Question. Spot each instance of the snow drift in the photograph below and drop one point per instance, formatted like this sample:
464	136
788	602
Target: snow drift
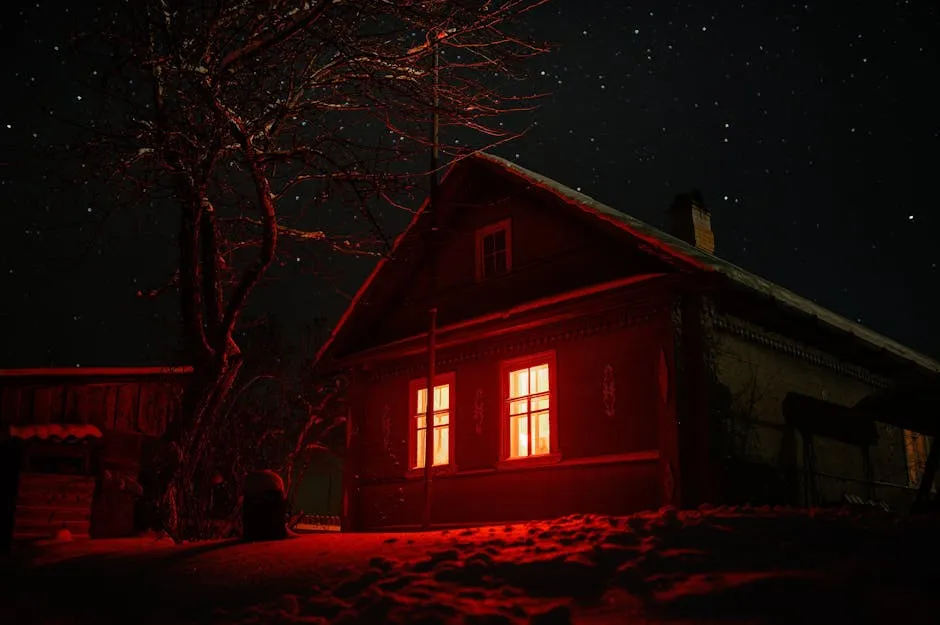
715	565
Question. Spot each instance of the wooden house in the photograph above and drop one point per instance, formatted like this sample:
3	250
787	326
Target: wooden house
73	440
588	362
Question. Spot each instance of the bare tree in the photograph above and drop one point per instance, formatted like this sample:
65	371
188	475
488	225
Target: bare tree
227	111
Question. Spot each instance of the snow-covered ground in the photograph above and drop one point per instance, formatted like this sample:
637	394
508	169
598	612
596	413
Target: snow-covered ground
717	565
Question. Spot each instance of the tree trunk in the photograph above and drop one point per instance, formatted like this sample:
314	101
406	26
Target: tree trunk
184	502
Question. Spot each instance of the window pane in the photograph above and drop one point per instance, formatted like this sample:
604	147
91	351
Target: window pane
519	383
421	422
441	418
441	397
422	400
499	263
518	437
419	449
489	266
441	445
489	245
541	433
539	403
519	406
499	241
539	379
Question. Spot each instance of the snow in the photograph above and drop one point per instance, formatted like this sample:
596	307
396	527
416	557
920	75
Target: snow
261	482
715	565
55	431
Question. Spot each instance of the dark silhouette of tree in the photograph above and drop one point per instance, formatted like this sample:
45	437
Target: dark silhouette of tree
229	112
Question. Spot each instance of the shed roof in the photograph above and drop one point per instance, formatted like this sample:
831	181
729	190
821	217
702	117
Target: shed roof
104	372
55	432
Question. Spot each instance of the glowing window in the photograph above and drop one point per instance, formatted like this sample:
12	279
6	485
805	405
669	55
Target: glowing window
494	250
441	425
916	448
529	410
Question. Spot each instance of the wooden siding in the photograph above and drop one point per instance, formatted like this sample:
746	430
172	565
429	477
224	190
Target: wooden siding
554	251
609	445
615	487
87	488
141	406
47	503
754	382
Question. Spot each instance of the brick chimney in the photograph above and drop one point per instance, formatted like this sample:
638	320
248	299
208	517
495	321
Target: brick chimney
690	221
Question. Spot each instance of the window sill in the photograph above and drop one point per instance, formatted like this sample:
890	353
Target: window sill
530	461
438	471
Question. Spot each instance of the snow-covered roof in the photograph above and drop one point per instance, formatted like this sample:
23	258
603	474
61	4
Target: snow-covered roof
703	259
662	244
57	432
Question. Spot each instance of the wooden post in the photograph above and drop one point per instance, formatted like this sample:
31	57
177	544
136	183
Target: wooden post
696	461
930	471
429	423
668	429
350	479
432	293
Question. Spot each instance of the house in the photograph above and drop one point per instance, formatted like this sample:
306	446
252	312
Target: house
588	362
73	441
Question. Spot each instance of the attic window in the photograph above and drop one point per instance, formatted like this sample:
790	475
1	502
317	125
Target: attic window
494	250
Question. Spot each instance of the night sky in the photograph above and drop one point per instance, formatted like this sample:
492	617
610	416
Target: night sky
811	129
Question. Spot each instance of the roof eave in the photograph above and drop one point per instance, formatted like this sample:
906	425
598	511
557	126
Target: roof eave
417	342
323	354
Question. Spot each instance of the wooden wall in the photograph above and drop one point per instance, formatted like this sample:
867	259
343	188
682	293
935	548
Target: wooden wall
516	495
555	248
755	379
95	495
609	450
48	502
140	406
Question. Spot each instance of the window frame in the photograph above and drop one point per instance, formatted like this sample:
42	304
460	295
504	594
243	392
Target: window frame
414	386
504	225
524	362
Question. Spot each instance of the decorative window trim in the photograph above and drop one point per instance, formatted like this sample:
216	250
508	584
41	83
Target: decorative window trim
522	362
757	335
481	234
449	378
609	391
490	348
441	470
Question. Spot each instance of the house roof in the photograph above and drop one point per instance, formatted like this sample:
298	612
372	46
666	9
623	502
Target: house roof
711	262
675	249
